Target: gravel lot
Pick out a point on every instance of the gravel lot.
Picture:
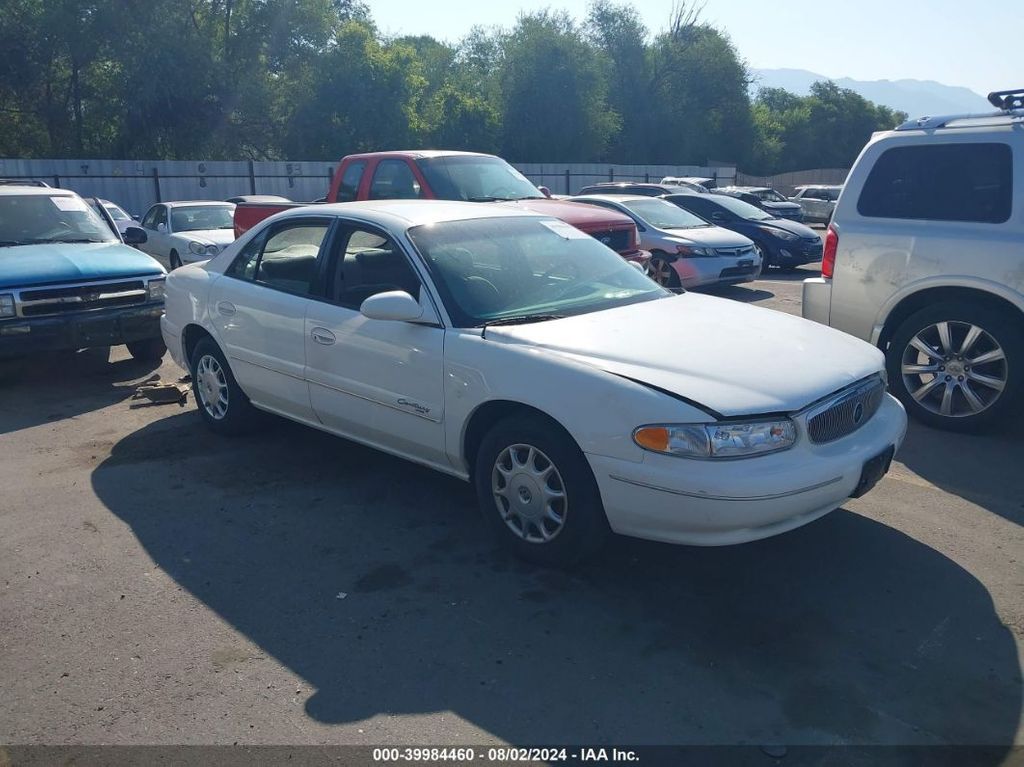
(164, 585)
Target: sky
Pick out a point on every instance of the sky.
(953, 42)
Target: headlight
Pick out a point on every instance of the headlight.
(212, 250)
(782, 234)
(197, 247)
(7, 305)
(717, 440)
(156, 290)
(693, 250)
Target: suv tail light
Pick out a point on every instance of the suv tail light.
(828, 258)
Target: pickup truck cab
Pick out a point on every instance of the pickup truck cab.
(69, 281)
(448, 175)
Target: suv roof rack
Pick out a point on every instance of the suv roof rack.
(1009, 103)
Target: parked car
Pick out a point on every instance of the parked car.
(117, 214)
(925, 259)
(781, 243)
(682, 418)
(686, 251)
(765, 198)
(68, 282)
(186, 232)
(817, 202)
(23, 182)
(699, 184)
(444, 175)
(632, 187)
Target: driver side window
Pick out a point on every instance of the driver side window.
(369, 263)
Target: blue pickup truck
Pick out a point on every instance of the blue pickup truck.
(69, 281)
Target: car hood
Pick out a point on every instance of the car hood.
(794, 227)
(579, 214)
(732, 359)
(209, 236)
(54, 263)
(710, 237)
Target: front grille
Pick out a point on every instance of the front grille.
(847, 413)
(78, 298)
(742, 252)
(618, 240)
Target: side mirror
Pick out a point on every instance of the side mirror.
(135, 216)
(161, 227)
(396, 305)
(134, 235)
(544, 191)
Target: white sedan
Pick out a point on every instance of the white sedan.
(512, 350)
(187, 232)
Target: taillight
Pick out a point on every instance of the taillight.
(828, 258)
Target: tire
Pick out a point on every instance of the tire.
(522, 460)
(175, 260)
(661, 271)
(766, 260)
(150, 350)
(984, 375)
(221, 402)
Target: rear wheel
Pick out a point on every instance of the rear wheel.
(222, 403)
(958, 366)
(662, 272)
(537, 492)
(151, 350)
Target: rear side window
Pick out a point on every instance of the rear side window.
(941, 182)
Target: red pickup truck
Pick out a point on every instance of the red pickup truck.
(444, 175)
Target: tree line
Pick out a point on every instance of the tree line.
(316, 79)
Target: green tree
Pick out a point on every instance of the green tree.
(554, 92)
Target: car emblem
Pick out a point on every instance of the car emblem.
(858, 413)
(606, 240)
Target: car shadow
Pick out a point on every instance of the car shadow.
(36, 389)
(374, 580)
(742, 293)
(799, 274)
(981, 468)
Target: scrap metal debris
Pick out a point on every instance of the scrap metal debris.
(162, 393)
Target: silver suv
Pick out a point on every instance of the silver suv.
(925, 258)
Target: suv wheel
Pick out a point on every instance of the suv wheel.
(537, 492)
(957, 366)
(222, 403)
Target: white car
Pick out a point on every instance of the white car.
(188, 232)
(512, 350)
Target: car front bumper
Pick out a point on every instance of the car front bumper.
(795, 253)
(716, 270)
(718, 503)
(80, 330)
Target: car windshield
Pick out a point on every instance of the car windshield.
(36, 219)
(193, 218)
(743, 209)
(517, 269)
(770, 195)
(475, 178)
(664, 215)
(116, 213)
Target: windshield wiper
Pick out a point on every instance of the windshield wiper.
(488, 198)
(12, 243)
(72, 240)
(517, 319)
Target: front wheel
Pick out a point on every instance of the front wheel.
(662, 271)
(175, 260)
(537, 492)
(958, 366)
(222, 403)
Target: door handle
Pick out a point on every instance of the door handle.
(322, 336)
(226, 307)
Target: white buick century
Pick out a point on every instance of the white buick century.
(514, 351)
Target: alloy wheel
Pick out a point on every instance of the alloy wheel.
(212, 387)
(954, 369)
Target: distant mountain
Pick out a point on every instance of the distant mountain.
(915, 97)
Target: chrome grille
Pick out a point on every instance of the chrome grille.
(38, 302)
(847, 413)
(736, 252)
(618, 240)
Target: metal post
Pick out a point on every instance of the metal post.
(156, 183)
(56, 180)
(647, 178)
(567, 191)
(252, 177)
(611, 174)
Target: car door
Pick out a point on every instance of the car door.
(377, 381)
(258, 309)
(154, 243)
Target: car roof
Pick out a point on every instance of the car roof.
(8, 190)
(409, 213)
(186, 203)
(819, 186)
(746, 189)
(420, 153)
(615, 197)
